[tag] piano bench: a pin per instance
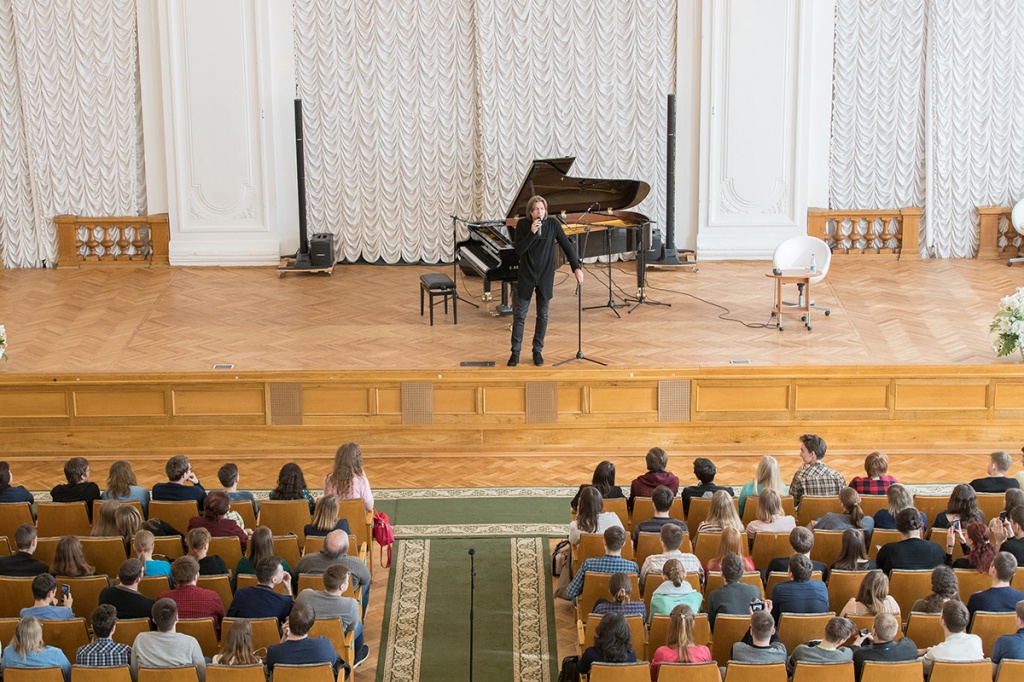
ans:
(439, 285)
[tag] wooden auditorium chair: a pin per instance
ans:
(755, 672)
(899, 671)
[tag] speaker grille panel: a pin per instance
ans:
(541, 402)
(417, 403)
(285, 404)
(674, 401)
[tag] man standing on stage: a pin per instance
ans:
(534, 240)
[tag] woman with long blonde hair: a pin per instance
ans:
(237, 647)
(770, 517)
(347, 480)
(721, 515)
(733, 541)
(128, 522)
(852, 516)
(767, 477)
(674, 590)
(899, 498)
(105, 524)
(681, 646)
(27, 649)
(872, 598)
(325, 518)
(198, 543)
(122, 486)
(69, 559)
(261, 546)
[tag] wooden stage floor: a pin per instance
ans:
(930, 312)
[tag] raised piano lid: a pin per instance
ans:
(549, 178)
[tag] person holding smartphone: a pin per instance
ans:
(44, 592)
(976, 544)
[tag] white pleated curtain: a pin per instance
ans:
(417, 111)
(928, 110)
(70, 130)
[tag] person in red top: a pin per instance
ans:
(192, 601)
(643, 486)
(681, 647)
(217, 505)
(877, 481)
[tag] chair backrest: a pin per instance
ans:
(869, 504)
(947, 671)
(169, 546)
(321, 672)
(66, 635)
(637, 628)
(755, 672)
(592, 545)
(619, 507)
(827, 546)
(1018, 578)
(1010, 670)
(931, 505)
(813, 507)
(879, 538)
(360, 522)
(901, 671)
(823, 672)
(842, 586)
(767, 546)
(232, 673)
(12, 515)
(85, 592)
(62, 518)
(595, 586)
(699, 508)
(15, 594)
(643, 509)
(5, 546)
(924, 629)
(689, 672)
(716, 580)
(796, 252)
(906, 587)
(227, 548)
(332, 629)
(127, 630)
(106, 554)
(132, 503)
(185, 673)
(285, 517)
(312, 581)
(753, 504)
(938, 536)
(706, 546)
(7, 627)
(88, 673)
(153, 585)
(991, 626)
(47, 674)
(991, 504)
(970, 581)
(177, 514)
(205, 632)
(46, 548)
(249, 580)
(288, 548)
(246, 511)
(620, 672)
(265, 631)
(798, 628)
(728, 630)
(647, 544)
(221, 584)
(658, 633)
(776, 577)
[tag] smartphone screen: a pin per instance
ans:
(65, 590)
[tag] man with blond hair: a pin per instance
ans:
(997, 481)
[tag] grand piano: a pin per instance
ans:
(591, 207)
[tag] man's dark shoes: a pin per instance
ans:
(538, 359)
(363, 654)
(513, 360)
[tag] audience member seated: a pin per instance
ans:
(978, 550)
(179, 472)
(144, 543)
(621, 589)
(852, 516)
(12, 493)
(1000, 597)
(662, 499)
(1020, 474)
(347, 480)
(944, 588)
(216, 506)
(767, 476)
(705, 471)
(44, 591)
(734, 542)
(877, 481)
(829, 650)
(127, 521)
(734, 597)
(770, 517)
(325, 518)
(962, 506)
(22, 563)
(1011, 645)
(105, 524)
(853, 556)
(191, 601)
(611, 562)
(878, 645)
(329, 603)
(604, 480)
(899, 498)
(297, 648)
(69, 559)
(1013, 530)
(122, 486)
(721, 515)
(802, 542)
(237, 646)
(957, 645)
(799, 594)
(910, 552)
(762, 649)
(261, 546)
(260, 600)
(125, 597)
(680, 647)
(198, 544)
(291, 485)
(613, 643)
(674, 590)
(997, 481)
(671, 540)
(813, 477)
(104, 652)
(591, 517)
(335, 551)
(1014, 497)
(872, 598)
(27, 650)
(166, 648)
(228, 477)
(78, 488)
(643, 486)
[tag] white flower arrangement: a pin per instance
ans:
(1008, 324)
(3, 343)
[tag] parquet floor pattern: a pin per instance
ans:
(367, 317)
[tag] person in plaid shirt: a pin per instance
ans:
(192, 601)
(611, 562)
(877, 481)
(104, 652)
(813, 477)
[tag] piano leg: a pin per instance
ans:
(504, 310)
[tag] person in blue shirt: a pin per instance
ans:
(1010, 646)
(261, 601)
(12, 493)
(611, 562)
(1000, 597)
(800, 594)
(297, 648)
(27, 650)
(44, 590)
(179, 472)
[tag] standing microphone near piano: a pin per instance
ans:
(534, 239)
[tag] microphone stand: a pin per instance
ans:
(579, 319)
(455, 261)
(472, 590)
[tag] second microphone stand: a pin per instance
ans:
(579, 319)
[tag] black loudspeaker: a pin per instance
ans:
(321, 250)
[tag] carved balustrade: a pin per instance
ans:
(879, 234)
(88, 241)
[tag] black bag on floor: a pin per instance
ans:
(569, 672)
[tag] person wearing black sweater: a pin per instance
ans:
(78, 488)
(911, 552)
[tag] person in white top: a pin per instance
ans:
(591, 517)
(347, 480)
(770, 517)
(958, 645)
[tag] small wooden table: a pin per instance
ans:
(798, 276)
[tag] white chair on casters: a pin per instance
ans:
(795, 254)
(1017, 220)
